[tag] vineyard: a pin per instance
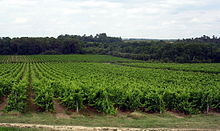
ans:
(61, 58)
(199, 67)
(107, 84)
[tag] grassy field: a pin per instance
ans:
(18, 129)
(135, 119)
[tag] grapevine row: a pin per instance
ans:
(102, 87)
(105, 87)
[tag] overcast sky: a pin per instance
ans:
(125, 18)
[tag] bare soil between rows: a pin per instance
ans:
(4, 103)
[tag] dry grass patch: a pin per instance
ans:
(136, 115)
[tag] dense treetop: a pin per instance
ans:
(202, 49)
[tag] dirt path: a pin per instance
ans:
(82, 128)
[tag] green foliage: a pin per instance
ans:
(170, 99)
(215, 97)
(131, 99)
(61, 58)
(44, 95)
(58, 88)
(196, 67)
(70, 95)
(184, 105)
(100, 99)
(204, 49)
(153, 102)
(109, 87)
(17, 98)
(5, 87)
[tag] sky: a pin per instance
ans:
(156, 19)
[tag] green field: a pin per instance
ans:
(60, 58)
(107, 85)
(198, 67)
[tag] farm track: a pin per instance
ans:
(159, 68)
(82, 128)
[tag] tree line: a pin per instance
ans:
(201, 49)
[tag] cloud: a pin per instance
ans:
(130, 18)
(21, 20)
(97, 3)
(72, 11)
(18, 3)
